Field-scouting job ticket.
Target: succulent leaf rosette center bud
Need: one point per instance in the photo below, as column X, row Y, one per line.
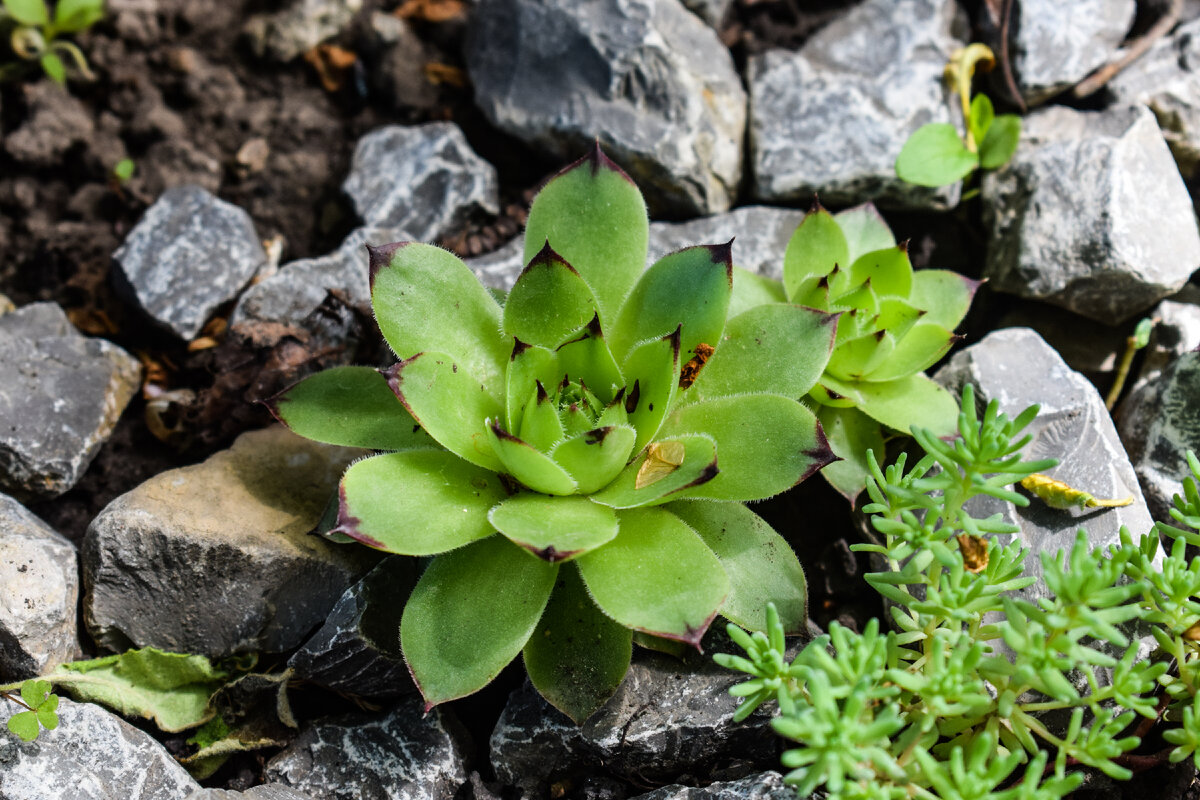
column 574, row 458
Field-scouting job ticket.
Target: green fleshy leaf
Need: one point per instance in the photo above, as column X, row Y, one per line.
column 699, row 465
column 935, row 156
column 779, row 348
column 549, row 302
column 24, row 724
column 896, row 316
column 528, row 365
column 588, row 359
column 817, row 245
column 922, row 347
column 865, row 230
column 1001, row 142
column 28, row 12
column 945, row 296
column 594, row 217
column 751, row 290
column 349, row 406
column 529, row 465
column 652, row 372
column 761, row 566
column 671, row 647
column 54, row 68
column 902, row 404
column 417, row 502
column 554, row 528
column 541, row 427
column 687, row 290
column 172, row 689
column 859, row 356
column 449, row 403
column 980, row 119
column 766, row 444
column 851, row 434
column 470, row 614
column 72, row 16
column 594, row 458
column 427, row 299
column 577, row 657
column 889, row 271
column 657, row 576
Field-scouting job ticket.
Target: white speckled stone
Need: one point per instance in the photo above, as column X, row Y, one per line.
column 189, row 253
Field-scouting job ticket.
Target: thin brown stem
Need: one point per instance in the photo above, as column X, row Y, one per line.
column 1094, row 82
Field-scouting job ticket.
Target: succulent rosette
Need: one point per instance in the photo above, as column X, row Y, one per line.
column 574, row 458
column 893, row 323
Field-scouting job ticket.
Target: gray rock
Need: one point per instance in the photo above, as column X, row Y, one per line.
column 399, row 70
column 1057, row 44
column 1176, row 331
column 301, row 26
column 54, row 123
column 92, row 755
column 832, row 117
column 646, row 78
column 1167, row 79
column 760, row 235
column 403, row 755
column 1160, row 422
column 1089, row 347
column 767, row 786
column 61, row 393
column 357, row 650
column 300, row 287
column 423, row 179
column 39, row 593
column 1017, row 368
column 188, row 254
column 267, row 791
column 668, row 717
column 1091, row 215
column 216, row 558
column 713, row 12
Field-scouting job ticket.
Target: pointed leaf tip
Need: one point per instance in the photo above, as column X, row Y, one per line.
column 821, row 454
column 349, row 525
column 379, row 256
column 723, row 254
column 815, row 207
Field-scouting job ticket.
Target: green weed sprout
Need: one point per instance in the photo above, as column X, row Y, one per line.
column 34, row 35
column 893, row 323
column 936, row 155
column 573, row 460
column 929, row 709
column 41, row 706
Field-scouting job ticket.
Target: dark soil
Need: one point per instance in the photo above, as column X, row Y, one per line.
column 179, row 93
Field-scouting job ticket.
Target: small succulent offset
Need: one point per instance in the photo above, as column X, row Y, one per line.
column 929, row 709
column 893, row 323
column 33, row 34
column 935, row 154
column 574, row 459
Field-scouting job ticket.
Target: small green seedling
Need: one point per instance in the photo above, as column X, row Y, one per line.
column 1134, row 342
column 122, row 171
column 33, row 35
column 41, row 706
column 936, row 155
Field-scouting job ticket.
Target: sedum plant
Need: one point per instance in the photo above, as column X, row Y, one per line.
column 930, row 709
column 894, row 322
column 573, row 459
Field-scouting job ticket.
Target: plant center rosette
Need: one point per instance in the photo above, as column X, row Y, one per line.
column 575, row 458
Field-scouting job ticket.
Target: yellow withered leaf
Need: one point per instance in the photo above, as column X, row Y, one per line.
column 662, row 458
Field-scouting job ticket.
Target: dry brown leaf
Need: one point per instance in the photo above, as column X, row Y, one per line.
column 331, row 63
column 432, row 10
column 438, row 73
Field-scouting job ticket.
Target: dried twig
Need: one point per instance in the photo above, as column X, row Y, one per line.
column 1096, row 81
column 1002, row 51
